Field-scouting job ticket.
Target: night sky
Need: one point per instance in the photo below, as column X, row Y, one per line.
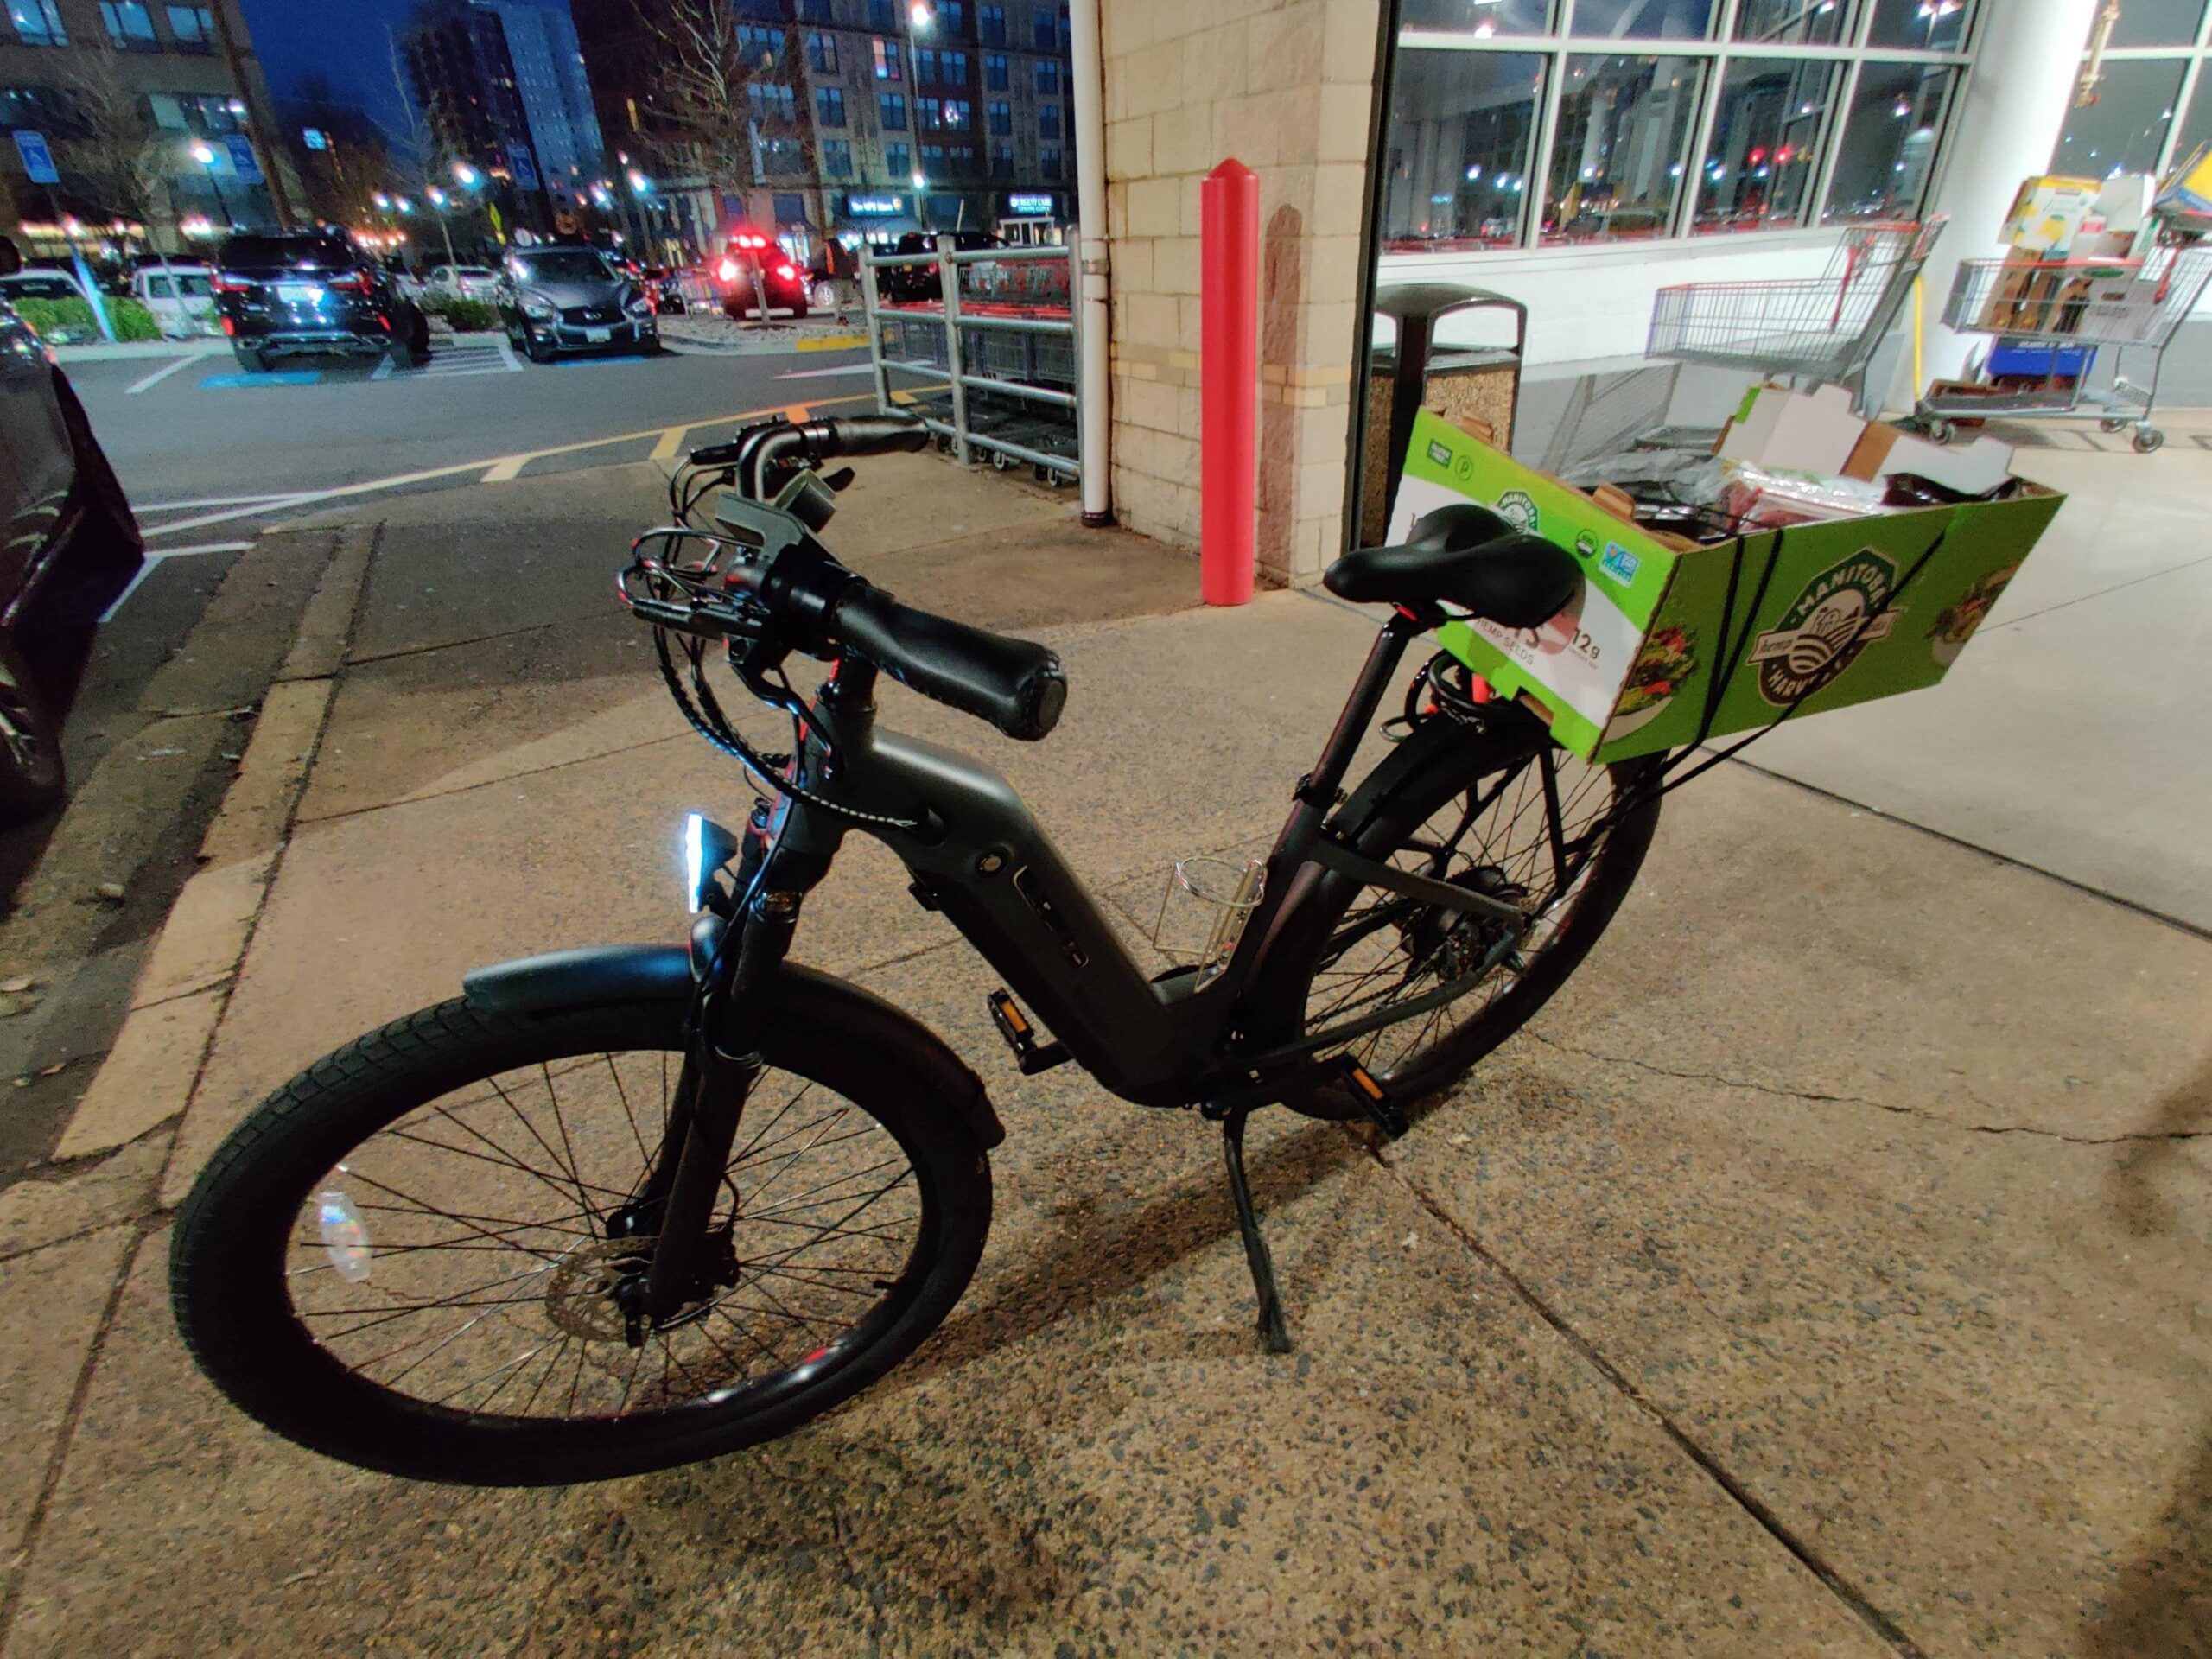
column 344, row 41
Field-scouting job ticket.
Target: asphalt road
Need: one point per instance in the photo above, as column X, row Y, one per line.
column 195, row 439
column 210, row 456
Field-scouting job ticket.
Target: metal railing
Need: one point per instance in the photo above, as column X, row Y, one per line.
column 997, row 350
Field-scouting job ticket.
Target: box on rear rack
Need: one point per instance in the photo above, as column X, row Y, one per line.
column 1673, row 642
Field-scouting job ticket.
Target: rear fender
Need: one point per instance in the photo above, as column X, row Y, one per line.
column 662, row 973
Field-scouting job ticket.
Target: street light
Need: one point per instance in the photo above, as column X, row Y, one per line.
column 466, row 175
column 639, row 183
column 920, row 15
column 382, row 202
column 204, row 152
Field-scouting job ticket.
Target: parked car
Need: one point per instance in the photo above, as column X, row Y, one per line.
column 44, row 283
column 557, row 299
column 665, row 284
column 73, row 548
column 785, row 282
column 919, row 284
column 313, row 292
column 462, row 283
column 181, row 298
column 833, row 278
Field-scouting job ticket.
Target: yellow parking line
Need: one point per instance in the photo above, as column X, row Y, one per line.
column 670, row 445
column 500, row 471
column 830, row 343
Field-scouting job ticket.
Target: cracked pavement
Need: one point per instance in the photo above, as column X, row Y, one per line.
column 1723, row 1310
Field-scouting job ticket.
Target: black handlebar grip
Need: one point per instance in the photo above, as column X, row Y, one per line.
column 873, row 435
column 1015, row 684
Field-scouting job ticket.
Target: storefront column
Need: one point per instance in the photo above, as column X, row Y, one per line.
column 2025, row 64
column 1286, row 90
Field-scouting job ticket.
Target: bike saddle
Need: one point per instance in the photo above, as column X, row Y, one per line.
column 1465, row 555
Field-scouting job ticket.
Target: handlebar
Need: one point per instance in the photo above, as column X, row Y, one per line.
column 848, row 434
column 1015, row 684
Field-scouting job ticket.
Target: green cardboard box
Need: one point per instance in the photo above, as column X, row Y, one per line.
column 1629, row 670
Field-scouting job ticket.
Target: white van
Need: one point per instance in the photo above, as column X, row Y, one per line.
column 181, row 298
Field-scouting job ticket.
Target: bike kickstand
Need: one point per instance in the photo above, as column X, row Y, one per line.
column 1273, row 1331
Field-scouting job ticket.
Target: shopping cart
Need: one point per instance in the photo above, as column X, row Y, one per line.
column 1810, row 330
column 2069, row 309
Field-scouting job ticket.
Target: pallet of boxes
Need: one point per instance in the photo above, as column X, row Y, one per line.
column 1811, row 559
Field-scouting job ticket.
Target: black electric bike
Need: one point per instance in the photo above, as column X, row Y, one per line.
column 612, row 1209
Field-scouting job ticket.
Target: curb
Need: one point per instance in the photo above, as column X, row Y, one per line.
column 153, row 1068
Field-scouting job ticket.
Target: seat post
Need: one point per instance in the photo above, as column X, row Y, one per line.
column 1320, row 786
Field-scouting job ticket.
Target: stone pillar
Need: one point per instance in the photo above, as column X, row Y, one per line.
column 2026, row 62
column 1284, row 86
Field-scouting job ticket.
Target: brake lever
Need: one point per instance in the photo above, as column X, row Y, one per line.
column 841, row 481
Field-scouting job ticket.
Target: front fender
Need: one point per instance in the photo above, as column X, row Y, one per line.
column 561, row 980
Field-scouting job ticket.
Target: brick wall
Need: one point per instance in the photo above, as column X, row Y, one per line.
column 1284, row 86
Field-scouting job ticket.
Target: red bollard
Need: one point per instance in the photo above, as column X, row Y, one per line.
column 1229, row 391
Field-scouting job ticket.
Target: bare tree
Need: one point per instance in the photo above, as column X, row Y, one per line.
column 729, row 98
column 127, row 161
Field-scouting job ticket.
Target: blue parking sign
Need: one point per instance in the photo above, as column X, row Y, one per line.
column 524, row 165
column 241, row 149
column 38, row 160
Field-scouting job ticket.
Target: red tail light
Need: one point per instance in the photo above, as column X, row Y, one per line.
column 228, row 327
column 354, row 281
column 787, row 271
column 224, row 284
column 727, row 270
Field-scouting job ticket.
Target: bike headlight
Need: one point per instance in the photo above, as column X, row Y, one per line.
column 706, row 848
column 541, row 309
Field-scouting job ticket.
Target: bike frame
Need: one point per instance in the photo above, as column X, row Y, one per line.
column 979, row 856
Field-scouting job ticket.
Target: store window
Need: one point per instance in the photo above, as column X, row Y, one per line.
column 1887, row 153
column 1759, row 172
column 1481, row 18
column 2196, row 130
column 1644, row 20
column 1792, row 22
column 2125, row 130
column 1617, row 161
column 1923, row 25
column 2158, row 23
column 1463, row 124
column 1512, row 126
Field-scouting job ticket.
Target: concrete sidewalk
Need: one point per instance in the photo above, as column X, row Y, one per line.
column 1823, row 1272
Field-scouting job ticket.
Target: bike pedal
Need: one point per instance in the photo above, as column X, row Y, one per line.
column 1029, row 1054
column 1375, row 1100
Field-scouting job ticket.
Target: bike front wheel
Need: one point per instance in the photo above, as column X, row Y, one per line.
column 408, row 1258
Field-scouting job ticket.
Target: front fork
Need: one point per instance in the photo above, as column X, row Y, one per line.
column 721, row 1061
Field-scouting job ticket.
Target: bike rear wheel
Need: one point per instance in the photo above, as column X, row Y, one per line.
column 404, row 1258
column 1477, row 814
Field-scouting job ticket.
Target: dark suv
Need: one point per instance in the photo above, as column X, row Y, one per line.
column 919, row 284
column 314, row 292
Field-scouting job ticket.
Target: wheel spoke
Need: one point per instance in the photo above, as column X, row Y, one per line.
column 478, row 1304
